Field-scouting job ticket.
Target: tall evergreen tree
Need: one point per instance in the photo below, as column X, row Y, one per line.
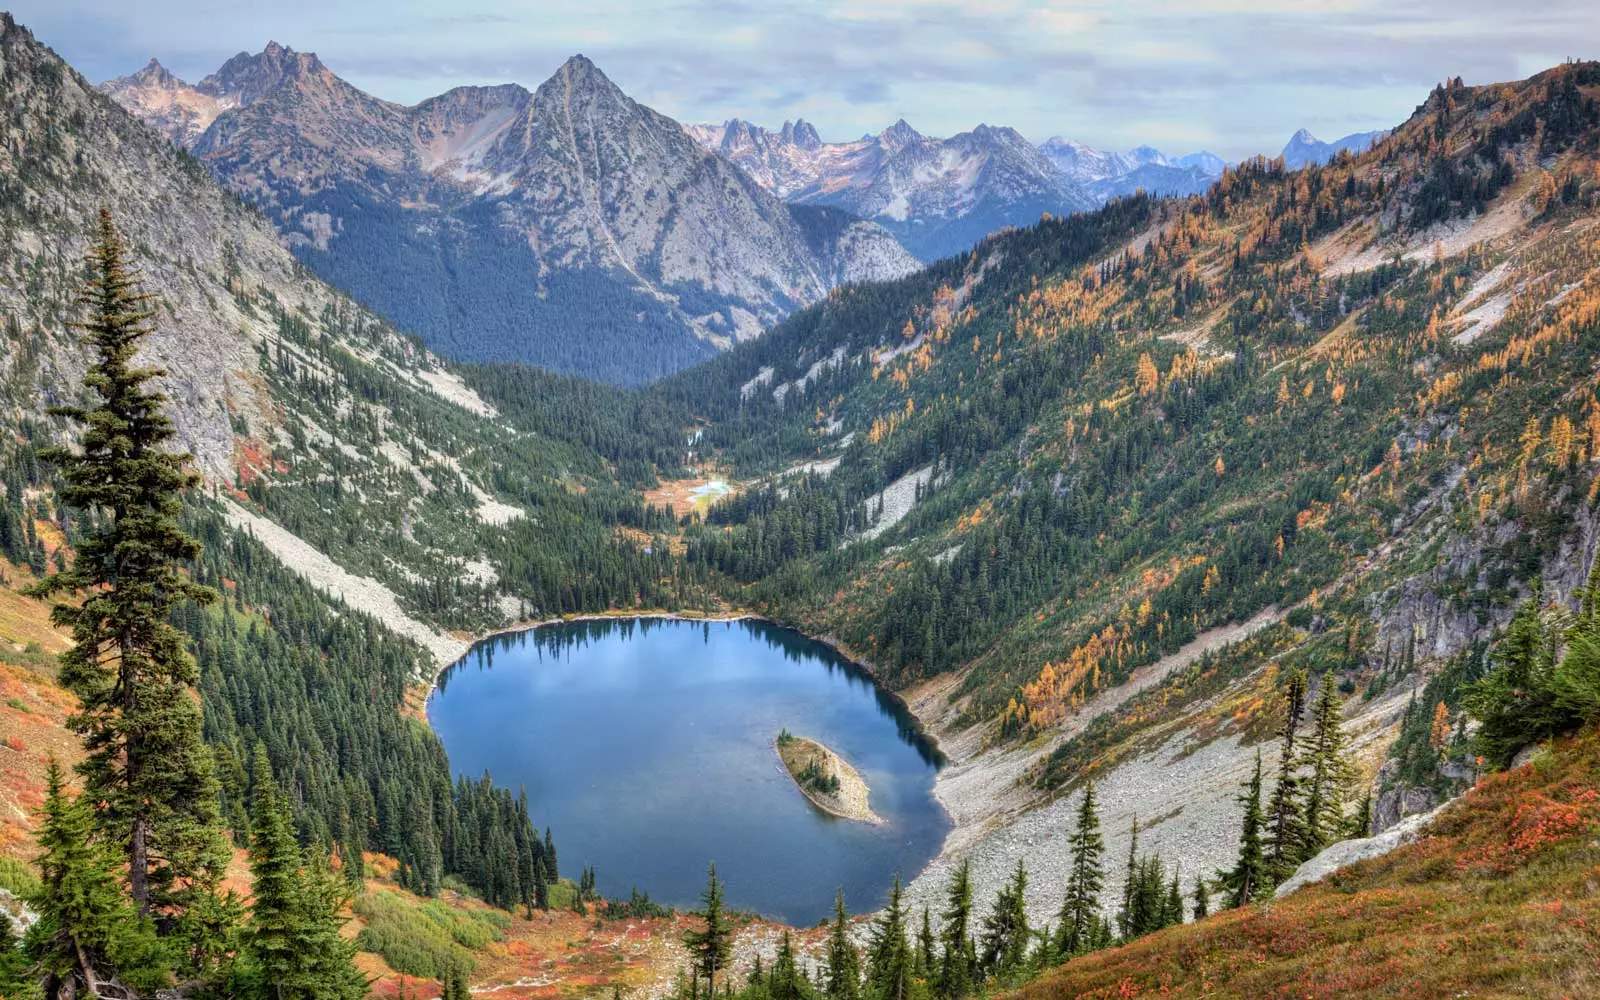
column 89, row 941
column 843, row 980
column 1005, row 929
column 146, row 766
column 293, row 949
column 1245, row 881
column 709, row 948
column 926, row 949
column 1080, row 908
column 1286, row 826
column 1130, row 886
column 786, row 982
column 958, row 959
column 888, row 953
column 1202, row 899
column 1332, row 776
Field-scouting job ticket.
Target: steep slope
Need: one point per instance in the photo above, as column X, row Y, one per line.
column 1496, row 900
column 937, row 196
column 1338, row 418
column 570, row 227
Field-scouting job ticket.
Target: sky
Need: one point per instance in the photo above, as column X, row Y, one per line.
column 1233, row 76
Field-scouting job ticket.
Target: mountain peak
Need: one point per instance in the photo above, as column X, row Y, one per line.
column 1304, row 136
column 900, row 134
column 154, row 73
column 580, row 75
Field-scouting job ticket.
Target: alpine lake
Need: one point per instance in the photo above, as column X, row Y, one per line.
column 646, row 745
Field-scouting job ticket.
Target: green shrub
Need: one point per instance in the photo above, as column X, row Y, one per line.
column 428, row 939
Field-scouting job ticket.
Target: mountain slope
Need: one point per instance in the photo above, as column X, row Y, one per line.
column 1496, row 900
column 937, row 196
column 1093, row 488
column 570, row 227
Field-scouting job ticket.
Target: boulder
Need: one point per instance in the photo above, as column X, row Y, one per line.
column 1348, row 852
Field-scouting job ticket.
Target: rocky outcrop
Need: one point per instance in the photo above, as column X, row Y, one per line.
column 1348, row 852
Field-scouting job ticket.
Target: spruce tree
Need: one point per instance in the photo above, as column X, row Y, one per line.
column 552, row 872
column 1202, row 899
column 1080, row 908
column 958, row 959
column 88, row 941
column 844, row 964
column 1244, row 882
column 709, row 948
column 1130, row 887
column 888, row 953
column 925, row 948
column 146, row 766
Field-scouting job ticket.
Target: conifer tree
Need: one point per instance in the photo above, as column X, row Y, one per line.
column 552, row 872
column 888, row 954
column 709, row 948
column 958, row 959
column 1286, row 825
column 1005, row 929
column 1202, row 899
column 1130, row 886
column 1331, row 774
column 1245, row 881
column 89, row 941
column 1080, row 908
column 146, row 766
column 455, row 986
column 925, row 947
column 786, row 982
column 844, row 965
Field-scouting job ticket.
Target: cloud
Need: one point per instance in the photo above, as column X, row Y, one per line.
column 1236, row 75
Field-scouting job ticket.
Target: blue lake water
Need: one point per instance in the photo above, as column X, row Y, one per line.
column 646, row 745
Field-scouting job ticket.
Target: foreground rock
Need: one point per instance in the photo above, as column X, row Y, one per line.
column 1348, row 852
column 825, row 778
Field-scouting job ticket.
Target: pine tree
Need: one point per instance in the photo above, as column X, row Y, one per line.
column 709, row 948
column 1332, row 775
column 88, row 941
column 958, row 960
column 1080, row 908
column 1202, row 900
column 552, row 873
column 1130, row 887
column 888, row 954
column 146, row 765
column 1245, row 881
column 844, row 965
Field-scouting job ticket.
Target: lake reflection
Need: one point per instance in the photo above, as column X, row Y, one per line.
column 647, row 746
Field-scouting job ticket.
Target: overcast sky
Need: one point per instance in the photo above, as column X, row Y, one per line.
column 1233, row 76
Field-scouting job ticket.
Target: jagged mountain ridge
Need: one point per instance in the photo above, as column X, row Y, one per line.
column 1304, row 149
column 938, row 196
column 570, row 226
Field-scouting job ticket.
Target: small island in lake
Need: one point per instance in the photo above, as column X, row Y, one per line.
column 825, row 778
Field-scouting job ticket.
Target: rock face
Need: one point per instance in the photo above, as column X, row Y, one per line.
column 938, row 196
column 1348, row 852
column 570, row 227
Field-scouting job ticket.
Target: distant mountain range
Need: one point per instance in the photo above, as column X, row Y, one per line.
column 568, row 227
column 573, row 228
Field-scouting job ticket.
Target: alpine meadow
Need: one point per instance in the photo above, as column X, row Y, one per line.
column 525, row 543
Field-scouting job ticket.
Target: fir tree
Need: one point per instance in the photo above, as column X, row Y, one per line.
column 958, row 959
column 1130, row 886
column 786, row 982
column 552, row 872
column 1080, row 908
column 1005, row 929
column 925, row 948
column 146, row 766
column 88, row 941
column 1202, row 900
column 844, row 965
column 888, row 954
column 1286, row 833
column 1332, row 776
column 455, row 986
column 709, row 948
column 1245, row 881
